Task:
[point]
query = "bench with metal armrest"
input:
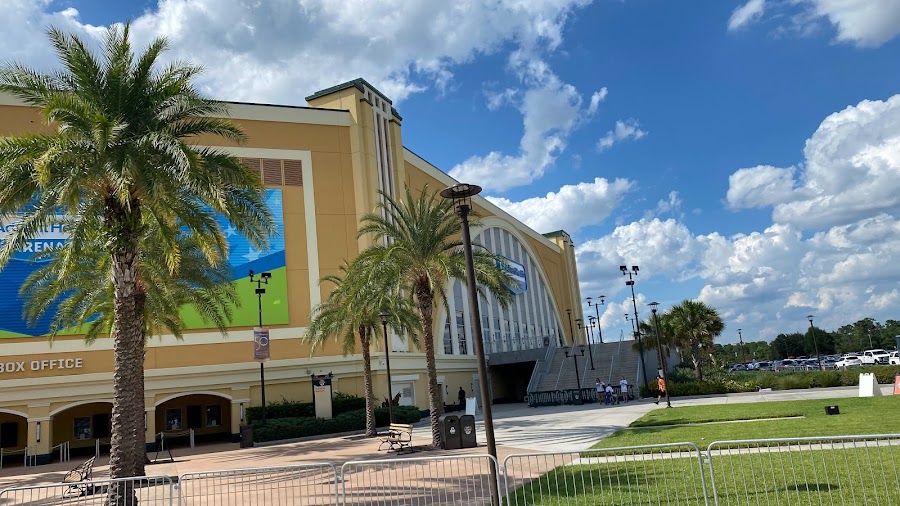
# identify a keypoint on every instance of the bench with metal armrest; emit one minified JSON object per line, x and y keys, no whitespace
{"x":76,"y":477}
{"x":398,"y":437}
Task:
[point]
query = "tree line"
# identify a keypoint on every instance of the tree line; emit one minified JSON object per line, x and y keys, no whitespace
{"x":864,"y":334}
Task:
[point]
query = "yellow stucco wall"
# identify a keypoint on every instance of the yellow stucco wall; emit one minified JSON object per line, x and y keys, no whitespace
{"x":344,"y":182}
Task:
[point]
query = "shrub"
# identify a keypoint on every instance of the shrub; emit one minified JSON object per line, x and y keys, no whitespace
{"x":291,"y":428}
{"x":340,"y":403}
{"x":718,"y":382}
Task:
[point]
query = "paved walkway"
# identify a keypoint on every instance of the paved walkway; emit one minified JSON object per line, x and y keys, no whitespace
{"x":518,"y":429}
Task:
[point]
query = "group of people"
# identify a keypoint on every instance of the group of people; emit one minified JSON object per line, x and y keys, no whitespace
{"x":606,"y":394}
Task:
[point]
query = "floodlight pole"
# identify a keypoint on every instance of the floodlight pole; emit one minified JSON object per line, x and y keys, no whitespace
{"x":662,"y":360}
{"x":637,"y":328}
{"x":387,"y":361}
{"x":262,"y":279}
{"x":461,"y":196}
{"x":812,"y":330}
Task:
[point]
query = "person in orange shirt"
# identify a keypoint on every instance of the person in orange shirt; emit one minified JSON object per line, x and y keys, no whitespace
{"x":662,"y":388}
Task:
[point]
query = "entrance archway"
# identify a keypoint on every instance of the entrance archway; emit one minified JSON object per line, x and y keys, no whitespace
{"x":13,"y":435}
{"x":208,"y":414}
{"x":83,"y":424}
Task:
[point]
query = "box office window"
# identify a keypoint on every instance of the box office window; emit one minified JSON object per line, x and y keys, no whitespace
{"x":213,"y":415}
{"x":9,"y":435}
{"x":173,"y":419}
{"x":81,"y":427}
{"x":194,"y":417}
{"x":101,"y":425}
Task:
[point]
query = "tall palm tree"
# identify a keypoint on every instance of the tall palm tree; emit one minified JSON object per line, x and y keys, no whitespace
{"x":120,"y":157}
{"x":362,"y":292}
{"x":694,"y":326}
{"x":421,"y":236}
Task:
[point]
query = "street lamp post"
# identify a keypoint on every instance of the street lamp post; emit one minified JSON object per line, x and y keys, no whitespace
{"x":812,"y":330}
{"x":597,"y":308}
{"x":575,"y":358}
{"x":741,"y":340}
{"x":262,"y":279}
{"x":582,"y":325}
{"x":571,"y":329}
{"x":662,"y":360}
{"x":387,"y":362}
{"x":461,"y":195}
{"x":637,"y":330}
{"x":590,"y":331}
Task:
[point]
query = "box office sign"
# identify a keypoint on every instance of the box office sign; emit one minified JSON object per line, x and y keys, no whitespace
{"x":44,"y":365}
{"x":261,"y":344}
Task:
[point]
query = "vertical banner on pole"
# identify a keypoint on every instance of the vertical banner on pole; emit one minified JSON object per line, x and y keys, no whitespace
{"x":261,"y":344}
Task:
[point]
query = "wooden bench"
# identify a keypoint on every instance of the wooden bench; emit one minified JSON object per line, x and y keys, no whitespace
{"x":398,"y":437}
{"x":76,"y":478}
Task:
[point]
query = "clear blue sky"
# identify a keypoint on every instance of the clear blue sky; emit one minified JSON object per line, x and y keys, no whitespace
{"x":742,"y":152}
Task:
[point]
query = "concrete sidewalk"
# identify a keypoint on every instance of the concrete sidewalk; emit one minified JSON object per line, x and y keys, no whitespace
{"x":518,"y":429}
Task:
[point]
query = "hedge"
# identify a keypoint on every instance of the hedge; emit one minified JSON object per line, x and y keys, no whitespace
{"x":290,"y":428}
{"x":753,"y":381}
{"x":340,"y":403}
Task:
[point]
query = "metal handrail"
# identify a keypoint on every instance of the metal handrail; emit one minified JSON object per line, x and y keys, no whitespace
{"x":535,"y":375}
{"x":64,"y":452}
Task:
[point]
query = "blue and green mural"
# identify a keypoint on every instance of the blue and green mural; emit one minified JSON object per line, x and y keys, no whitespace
{"x":241,"y":255}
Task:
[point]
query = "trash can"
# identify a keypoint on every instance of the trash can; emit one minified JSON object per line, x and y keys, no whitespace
{"x":576,"y":398}
{"x":450,"y":433}
{"x":246,"y":436}
{"x":467,"y":431}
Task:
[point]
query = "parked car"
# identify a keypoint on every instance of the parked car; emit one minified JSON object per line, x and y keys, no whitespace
{"x":848,"y":361}
{"x":764,"y":366}
{"x":872,"y":357}
{"x":894,"y":358}
{"x":828,"y":363}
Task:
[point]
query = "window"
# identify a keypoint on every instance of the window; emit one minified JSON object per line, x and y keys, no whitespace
{"x":461,"y":333}
{"x":9,"y":435}
{"x":448,"y":340}
{"x":213,"y":415}
{"x":173,"y":419}
{"x":81,"y":427}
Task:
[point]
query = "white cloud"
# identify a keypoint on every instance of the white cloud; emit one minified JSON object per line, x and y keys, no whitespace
{"x":864,"y":23}
{"x":851,"y":171}
{"x":867,"y":23}
{"x":551,"y":110}
{"x":760,"y":186}
{"x":279,"y":51}
{"x":596,"y":98}
{"x":746,"y":13}
{"x":670,"y":205}
{"x":571,"y":208}
{"x":624,"y":130}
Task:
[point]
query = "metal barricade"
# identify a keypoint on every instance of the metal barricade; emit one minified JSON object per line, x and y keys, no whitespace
{"x":670,"y":474}
{"x":424,"y":481}
{"x":838,"y":470}
{"x":146,"y":491}
{"x":302,"y":484}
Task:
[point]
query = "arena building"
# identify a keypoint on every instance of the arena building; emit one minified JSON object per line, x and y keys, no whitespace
{"x":323,"y":166}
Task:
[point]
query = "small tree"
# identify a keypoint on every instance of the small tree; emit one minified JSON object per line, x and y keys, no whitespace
{"x":694,"y":326}
{"x":422,"y":241}
{"x":362,"y":292}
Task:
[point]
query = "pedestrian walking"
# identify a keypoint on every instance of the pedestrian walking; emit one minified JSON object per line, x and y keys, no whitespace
{"x":662,"y":388}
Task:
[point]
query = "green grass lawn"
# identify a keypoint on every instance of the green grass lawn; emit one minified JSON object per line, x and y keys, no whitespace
{"x":853,"y":472}
{"x":810,"y":477}
{"x":868,"y":415}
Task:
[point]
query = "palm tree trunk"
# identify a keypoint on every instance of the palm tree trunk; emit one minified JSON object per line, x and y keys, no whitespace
{"x":127,"y":453}
{"x":140,"y":298}
{"x":696,"y":359}
{"x":367,"y":380}
{"x":425,"y":298}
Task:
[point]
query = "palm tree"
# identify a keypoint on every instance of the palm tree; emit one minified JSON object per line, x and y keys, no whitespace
{"x":362,"y":292}
{"x":121,"y":157}
{"x":694,"y":325}
{"x":421,"y":237}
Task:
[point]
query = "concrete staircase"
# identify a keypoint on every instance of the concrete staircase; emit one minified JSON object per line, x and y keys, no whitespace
{"x":612,"y":362}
